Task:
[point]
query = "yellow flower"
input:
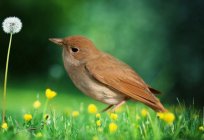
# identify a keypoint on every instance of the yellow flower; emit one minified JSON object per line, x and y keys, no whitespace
{"x":113,"y":116}
{"x":39,"y":135}
{"x":137,"y":117}
{"x":113,"y":127}
{"x":36,"y":104}
{"x":160,"y":115}
{"x":98,"y":123}
{"x":98,"y":115}
{"x":4,"y":126}
{"x":169,"y":117}
{"x":27,"y":117}
{"x":144,"y":112}
{"x":75,"y":114}
{"x":201,"y":128}
{"x":50,"y":94}
{"x":92,"y":109}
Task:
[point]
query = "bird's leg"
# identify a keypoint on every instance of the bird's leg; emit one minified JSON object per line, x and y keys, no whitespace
{"x":117,"y":105}
{"x":107,"y":108}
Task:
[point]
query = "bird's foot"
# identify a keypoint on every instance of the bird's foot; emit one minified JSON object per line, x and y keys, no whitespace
{"x":115,"y":106}
{"x":107,"y":108}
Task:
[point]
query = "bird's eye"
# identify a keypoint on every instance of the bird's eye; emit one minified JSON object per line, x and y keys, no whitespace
{"x":74,"y":49}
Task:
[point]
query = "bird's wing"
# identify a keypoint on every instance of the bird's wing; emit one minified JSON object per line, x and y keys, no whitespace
{"x":120,"y":77}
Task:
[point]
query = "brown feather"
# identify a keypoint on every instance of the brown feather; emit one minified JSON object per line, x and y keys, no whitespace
{"x":119,"y":76}
{"x":154,"y":90}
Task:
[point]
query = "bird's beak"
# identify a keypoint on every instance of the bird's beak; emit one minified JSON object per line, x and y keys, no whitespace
{"x":57,"y":41}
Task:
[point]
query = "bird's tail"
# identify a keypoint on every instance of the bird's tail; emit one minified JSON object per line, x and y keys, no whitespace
{"x":158,"y":107}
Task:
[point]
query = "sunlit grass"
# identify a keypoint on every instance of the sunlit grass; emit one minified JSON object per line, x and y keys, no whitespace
{"x":74,"y":116}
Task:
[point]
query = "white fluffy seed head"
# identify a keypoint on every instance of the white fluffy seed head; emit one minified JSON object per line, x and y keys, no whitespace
{"x":12,"y":25}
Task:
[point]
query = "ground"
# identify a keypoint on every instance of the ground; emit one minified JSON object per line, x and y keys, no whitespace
{"x":75,"y":116}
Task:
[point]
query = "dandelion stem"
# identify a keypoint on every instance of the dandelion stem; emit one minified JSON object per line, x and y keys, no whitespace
{"x":5,"y":80}
{"x":203,"y":115}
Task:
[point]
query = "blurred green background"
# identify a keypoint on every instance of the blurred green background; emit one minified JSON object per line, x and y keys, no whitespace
{"x":162,"y":40}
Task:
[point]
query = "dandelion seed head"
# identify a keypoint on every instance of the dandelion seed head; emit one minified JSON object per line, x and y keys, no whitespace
{"x":12,"y":25}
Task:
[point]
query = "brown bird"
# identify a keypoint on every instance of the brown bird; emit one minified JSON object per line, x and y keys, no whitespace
{"x":103,"y":77}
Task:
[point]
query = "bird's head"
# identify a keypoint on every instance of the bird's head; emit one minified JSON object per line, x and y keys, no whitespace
{"x":76,"y":48}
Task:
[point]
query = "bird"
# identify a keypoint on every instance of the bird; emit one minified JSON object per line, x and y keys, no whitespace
{"x":103,"y":77}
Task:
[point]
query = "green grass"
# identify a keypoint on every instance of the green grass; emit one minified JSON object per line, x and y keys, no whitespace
{"x":62,"y":125}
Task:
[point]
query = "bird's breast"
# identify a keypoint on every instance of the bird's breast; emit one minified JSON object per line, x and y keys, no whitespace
{"x":93,"y":88}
